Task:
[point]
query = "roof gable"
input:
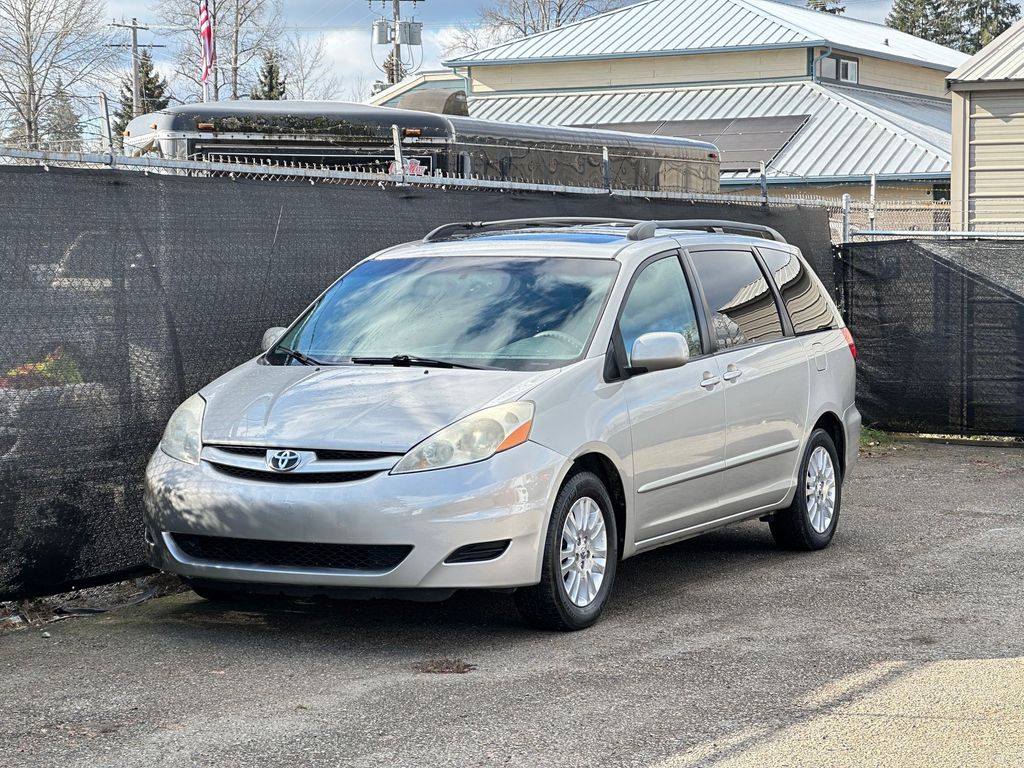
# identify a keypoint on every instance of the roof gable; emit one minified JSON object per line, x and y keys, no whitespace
{"x":1002,"y":59}
{"x":665,"y":27}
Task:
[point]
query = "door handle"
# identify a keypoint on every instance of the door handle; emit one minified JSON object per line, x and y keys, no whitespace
{"x":709,"y":381}
{"x":732,"y":373}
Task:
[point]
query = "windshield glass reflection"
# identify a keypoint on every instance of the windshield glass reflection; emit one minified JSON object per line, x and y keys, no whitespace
{"x":514,"y":313}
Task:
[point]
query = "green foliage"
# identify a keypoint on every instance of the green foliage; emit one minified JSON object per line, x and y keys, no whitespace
{"x":827,"y":6}
{"x":272,"y":84}
{"x":967,"y":25}
{"x":61,"y":124}
{"x":152,"y":88}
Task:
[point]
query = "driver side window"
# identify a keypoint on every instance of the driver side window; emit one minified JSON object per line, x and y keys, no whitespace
{"x":660,"y":300}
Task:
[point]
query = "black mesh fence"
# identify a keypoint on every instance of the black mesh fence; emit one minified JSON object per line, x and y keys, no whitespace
{"x":939,"y":328}
{"x":122,"y":293}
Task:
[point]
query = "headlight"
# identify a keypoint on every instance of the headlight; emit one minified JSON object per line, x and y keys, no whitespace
{"x":473,"y":438}
{"x":182,"y":439}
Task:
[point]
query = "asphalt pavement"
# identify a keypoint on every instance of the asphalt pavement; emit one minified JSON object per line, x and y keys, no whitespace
{"x":901,"y":645}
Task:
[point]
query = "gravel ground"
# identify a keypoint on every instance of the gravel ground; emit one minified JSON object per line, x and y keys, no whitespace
{"x":899,"y":645}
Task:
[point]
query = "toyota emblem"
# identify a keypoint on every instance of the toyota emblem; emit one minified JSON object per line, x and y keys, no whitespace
{"x":283,"y":461}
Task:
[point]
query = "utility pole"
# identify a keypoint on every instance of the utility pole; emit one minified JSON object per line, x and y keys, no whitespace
{"x":396,"y":52}
{"x":136,"y":82}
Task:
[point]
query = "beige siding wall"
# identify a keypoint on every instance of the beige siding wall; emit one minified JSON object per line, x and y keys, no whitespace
{"x":896,"y":76}
{"x":959,"y":177}
{"x":653,"y":70}
{"x":995,"y":160}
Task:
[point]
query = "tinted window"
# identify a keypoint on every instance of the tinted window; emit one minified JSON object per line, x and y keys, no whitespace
{"x":742,"y":306}
{"x":807,"y":306}
{"x":660,"y":301}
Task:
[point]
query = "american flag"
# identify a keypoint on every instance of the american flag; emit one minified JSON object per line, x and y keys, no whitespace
{"x":206,"y":38}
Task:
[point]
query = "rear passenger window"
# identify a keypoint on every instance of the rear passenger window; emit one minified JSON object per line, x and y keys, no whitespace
{"x":807,"y":305}
{"x":659,"y":300}
{"x":743,"y":309}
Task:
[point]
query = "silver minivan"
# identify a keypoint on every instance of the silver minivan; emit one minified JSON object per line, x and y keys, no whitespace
{"x":516,"y":405}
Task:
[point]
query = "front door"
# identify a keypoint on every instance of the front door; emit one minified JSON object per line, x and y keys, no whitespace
{"x":677,"y":416}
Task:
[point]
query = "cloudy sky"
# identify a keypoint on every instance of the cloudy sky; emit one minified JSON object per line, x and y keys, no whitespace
{"x":346,"y":25}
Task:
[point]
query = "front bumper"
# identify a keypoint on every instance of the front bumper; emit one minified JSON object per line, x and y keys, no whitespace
{"x":508,"y":496}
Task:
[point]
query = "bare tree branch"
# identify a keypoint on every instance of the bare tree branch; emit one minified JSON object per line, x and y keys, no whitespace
{"x":310,"y":73}
{"x":242,"y":30}
{"x":43,"y":42}
{"x":507,"y":20}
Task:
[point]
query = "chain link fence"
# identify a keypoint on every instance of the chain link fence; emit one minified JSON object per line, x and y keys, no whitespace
{"x":939,"y":327}
{"x":123,"y":292}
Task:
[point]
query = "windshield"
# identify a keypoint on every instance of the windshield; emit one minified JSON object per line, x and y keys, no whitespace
{"x":514,"y":313}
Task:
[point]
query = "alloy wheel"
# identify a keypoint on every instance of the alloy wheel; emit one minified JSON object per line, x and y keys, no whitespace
{"x":820,"y":489}
{"x":584,"y":551}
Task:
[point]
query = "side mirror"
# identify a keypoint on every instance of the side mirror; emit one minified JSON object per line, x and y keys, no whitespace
{"x":658,"y":352}
{"x":271,"y":336}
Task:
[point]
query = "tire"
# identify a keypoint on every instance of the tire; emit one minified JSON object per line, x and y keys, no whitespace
{"x":551,"y":604}
{"x":806,"y":524}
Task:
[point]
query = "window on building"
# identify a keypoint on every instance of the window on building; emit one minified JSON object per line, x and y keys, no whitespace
{"x":839,"y":68}
{"x":848,"y":70}
{"x":743,"y":309}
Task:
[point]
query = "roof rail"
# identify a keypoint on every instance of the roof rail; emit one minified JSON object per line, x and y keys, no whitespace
{"x":647,"y":229}
{"x":448,"y":230}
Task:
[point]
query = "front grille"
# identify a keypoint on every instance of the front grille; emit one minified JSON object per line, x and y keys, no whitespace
{"x":292,"y":554}
{"x":321,"y":454}
{"x":270,"y":476}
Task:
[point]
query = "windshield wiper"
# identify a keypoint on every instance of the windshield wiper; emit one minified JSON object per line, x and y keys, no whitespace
{"x":299,"y":356}
{"x":405,"y":361}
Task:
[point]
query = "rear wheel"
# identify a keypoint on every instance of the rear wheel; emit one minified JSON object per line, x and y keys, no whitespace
{"x":809,"y":523}
{"x":580,"y":559}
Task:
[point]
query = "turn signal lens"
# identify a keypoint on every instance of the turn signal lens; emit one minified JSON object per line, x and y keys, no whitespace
{"x":473,"y":438}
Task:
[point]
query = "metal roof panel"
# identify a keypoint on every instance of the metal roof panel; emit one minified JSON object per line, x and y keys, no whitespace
{"x":660,"y":27}
{"x":851,"y":132}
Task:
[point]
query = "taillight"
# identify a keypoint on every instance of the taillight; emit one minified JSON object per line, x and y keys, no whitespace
{"x":849,"y":340}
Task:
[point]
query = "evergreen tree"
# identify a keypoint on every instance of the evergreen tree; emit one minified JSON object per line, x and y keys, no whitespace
{"x":152,"y":89}
{"x":827,"y":6}
{"x":272,"y":84}
{"x":908,"y":16}
{"x":943,"y":22}
{"x":61,"y":124}
{"x":985,"y":20}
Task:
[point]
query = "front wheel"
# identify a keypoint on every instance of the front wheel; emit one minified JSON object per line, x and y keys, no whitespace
{"x":580,"y":557}
{"x":809,"y":523}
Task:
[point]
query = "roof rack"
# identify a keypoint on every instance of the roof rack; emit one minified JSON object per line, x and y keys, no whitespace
{"x":448,"y":230}
{"x":647,"y":229}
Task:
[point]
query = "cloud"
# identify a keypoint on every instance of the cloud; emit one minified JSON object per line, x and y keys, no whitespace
{"x":354,"y":57}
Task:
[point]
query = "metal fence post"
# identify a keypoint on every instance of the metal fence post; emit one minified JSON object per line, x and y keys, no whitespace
{"x":606,"y":169}
{"x":871,"y":203}
{"x":399,"y":160}
{"x":846,"y":217}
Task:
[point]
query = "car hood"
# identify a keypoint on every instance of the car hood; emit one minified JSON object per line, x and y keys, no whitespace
{"x":370,"y":408}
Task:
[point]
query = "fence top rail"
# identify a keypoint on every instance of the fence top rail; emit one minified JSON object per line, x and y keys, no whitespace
{"x":936,"y":234}
{"x":314,"y":173}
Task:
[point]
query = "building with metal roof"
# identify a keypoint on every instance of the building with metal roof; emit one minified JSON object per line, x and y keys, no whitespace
{"x":672,"y":27}
{"x":821,"y":100}
{"x":988,"y":136}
